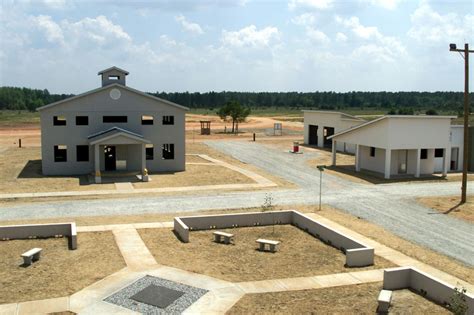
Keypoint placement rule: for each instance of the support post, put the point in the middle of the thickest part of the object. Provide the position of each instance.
(418, 163)
(320, 136)
(357, 158)
(98, 178)
(446, 160)
(19, 143)
(334, 143)
(388, 159)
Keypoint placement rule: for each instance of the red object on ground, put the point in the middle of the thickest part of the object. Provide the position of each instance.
(296, 147)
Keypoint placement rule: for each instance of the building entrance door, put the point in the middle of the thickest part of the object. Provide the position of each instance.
(110, 158)
(313, 134)
(402, 161)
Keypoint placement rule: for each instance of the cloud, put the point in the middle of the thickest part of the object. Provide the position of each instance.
(341, 37)
(391, 47)
(304, 19)
(317, 35)
(51, 30)
(189, 26)
(386, 4)
(250, 37)
(429, 25)
(310, 4)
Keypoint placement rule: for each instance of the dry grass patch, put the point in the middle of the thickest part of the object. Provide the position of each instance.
(196, 159)
(450, 205)
(353, 299)
(20, 171)
(60, 271)
(299, 254)
(196, 175)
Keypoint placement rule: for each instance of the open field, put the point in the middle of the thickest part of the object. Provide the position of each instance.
(20, 169)
(241, 261)
(353, 299)
(60, 271)
(450, 205)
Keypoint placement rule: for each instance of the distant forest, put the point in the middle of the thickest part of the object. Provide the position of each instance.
(14, 98)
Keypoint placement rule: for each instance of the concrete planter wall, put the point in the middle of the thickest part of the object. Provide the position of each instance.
(431, 287)
(41, 231)
(357, 254)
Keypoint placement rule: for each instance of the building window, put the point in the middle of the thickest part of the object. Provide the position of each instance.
(114, 119)
(439, 153)
(59, 121)
(82, 120)
(60, 153)
(424, 154)
(149, 152)
(82, 153)
(114, 77)
(168, 120)
(168, 151)
(372, 151)
(147, 120)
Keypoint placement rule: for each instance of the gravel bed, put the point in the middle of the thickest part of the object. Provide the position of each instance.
(123, 297)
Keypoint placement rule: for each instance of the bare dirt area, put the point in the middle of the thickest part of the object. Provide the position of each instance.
(299, 254)
(20, 170)
(353, 299)
(450, 205)
(60, 271)
(196, 175)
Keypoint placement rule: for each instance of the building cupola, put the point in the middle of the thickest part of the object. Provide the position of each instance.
(113, 75)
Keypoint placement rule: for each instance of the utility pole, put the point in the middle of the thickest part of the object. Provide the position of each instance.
(465, 54)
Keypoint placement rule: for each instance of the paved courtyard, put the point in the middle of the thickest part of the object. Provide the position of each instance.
(391, 205)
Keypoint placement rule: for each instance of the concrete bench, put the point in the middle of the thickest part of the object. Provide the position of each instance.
(384, 299)
(31, 255)
(271, 244)
(218, 235)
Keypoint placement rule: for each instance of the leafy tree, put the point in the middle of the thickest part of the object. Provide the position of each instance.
(431, 112)
(235, 111)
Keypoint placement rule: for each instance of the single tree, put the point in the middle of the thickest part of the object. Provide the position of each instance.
(235, 111)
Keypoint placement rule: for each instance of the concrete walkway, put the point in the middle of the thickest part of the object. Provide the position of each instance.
(222, 294)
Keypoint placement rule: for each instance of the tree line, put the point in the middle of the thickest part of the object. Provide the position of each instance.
(15, 98)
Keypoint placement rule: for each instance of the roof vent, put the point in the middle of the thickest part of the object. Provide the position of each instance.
(113, 75)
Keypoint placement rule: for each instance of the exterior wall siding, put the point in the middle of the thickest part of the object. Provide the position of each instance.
(100, 104)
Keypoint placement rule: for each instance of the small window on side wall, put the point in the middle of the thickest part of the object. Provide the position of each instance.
(424, 154)
(147, 120)
(82, 153)
(59, 121)
(149, 152)
(372, 151)
(82, 120)
(168, 151)
(168, 120)
(60, 153)
(439, 153)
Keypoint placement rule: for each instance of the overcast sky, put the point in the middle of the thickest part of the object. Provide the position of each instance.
(236, 45)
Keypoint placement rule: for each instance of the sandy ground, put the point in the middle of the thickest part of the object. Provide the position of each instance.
(354, 299)
(450, 205)
(60, 271)
(30, 134)
(299, 254)
(423, 254)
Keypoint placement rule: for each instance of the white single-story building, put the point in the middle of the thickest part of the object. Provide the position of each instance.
(320, 125)
(405, 145)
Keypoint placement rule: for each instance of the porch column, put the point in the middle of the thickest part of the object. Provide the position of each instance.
(388, 159)
(98, 178)
(417, 163)
(334, 152)
(320, 136)
(357, 159)
(446, 160)
(143, 158)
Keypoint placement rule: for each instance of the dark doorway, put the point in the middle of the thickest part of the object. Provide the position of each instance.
(313, 134)
(328, 131)
(109, 158)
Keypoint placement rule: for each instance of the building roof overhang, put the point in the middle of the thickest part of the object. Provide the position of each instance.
(107, 136)
(113, 68)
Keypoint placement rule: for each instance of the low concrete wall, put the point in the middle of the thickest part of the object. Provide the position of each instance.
(357, 254)
(40, 230)
(428, 286)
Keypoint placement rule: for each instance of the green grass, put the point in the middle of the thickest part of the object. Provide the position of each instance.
(18, 117)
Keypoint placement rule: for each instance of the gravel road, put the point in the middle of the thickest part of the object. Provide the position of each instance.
(391, 206)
